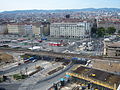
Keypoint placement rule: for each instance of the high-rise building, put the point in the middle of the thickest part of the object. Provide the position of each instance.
(70, 30)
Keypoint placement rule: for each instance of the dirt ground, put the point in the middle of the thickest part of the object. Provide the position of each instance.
(111, 66)
(5, 57)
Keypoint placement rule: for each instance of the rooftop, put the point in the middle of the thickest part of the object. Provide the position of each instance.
(96, 76)
(114, 45)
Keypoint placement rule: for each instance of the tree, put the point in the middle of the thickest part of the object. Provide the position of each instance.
(67, 16)
(111, 30)
(100, 32)
(93, 31)
(94, 28)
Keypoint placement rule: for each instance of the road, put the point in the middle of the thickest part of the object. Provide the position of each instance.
(45, 83)
(9, 86)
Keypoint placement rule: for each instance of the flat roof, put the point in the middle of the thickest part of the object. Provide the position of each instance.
(100, 75)
(114, 45)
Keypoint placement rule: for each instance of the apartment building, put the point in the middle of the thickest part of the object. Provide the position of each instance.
(36, 29)
(28, 28)
(70, 30)
(22, 29)
(3, 29)
(46, 28)
(13, 28)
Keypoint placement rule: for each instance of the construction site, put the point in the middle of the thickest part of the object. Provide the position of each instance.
(94, 79)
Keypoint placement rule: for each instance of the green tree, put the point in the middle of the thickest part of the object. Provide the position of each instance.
(100, 32)
(111, 30)
(93, 31)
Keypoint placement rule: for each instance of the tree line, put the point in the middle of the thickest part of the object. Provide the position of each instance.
(101, 31)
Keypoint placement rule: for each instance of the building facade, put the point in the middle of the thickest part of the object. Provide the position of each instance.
(3, 29)
(46, 29)
(112, 49)
(70, 30)
(36, 29)
(13, 29)
(29, 29)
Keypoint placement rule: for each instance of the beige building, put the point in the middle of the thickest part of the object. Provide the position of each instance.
(46, 29)
(42, 29)
(29, 29)
(36, 29)
(112, 49)
(23, 29)
(15, 29)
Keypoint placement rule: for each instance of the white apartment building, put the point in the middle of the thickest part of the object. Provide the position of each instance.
(70, 30)
(28, 29)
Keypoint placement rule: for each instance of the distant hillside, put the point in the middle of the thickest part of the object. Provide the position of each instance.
(65, 10)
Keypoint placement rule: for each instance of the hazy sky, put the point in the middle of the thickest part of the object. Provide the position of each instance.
(7, 5)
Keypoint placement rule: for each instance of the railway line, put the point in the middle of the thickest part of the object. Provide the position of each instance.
(55, 54)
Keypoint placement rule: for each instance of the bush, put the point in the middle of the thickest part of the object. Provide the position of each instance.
(19, 76)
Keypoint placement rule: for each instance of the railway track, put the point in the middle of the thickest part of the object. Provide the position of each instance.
(55, 54)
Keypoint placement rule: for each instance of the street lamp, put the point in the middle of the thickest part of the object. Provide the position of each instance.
(26, 70)
(35, 65)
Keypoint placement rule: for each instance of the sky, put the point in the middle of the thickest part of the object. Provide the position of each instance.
(8, 5)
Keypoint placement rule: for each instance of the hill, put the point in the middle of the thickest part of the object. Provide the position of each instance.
(65, 10)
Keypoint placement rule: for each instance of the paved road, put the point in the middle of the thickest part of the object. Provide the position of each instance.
(9, 86)
(45, 83)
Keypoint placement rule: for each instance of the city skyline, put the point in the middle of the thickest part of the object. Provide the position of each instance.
(56, 4)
